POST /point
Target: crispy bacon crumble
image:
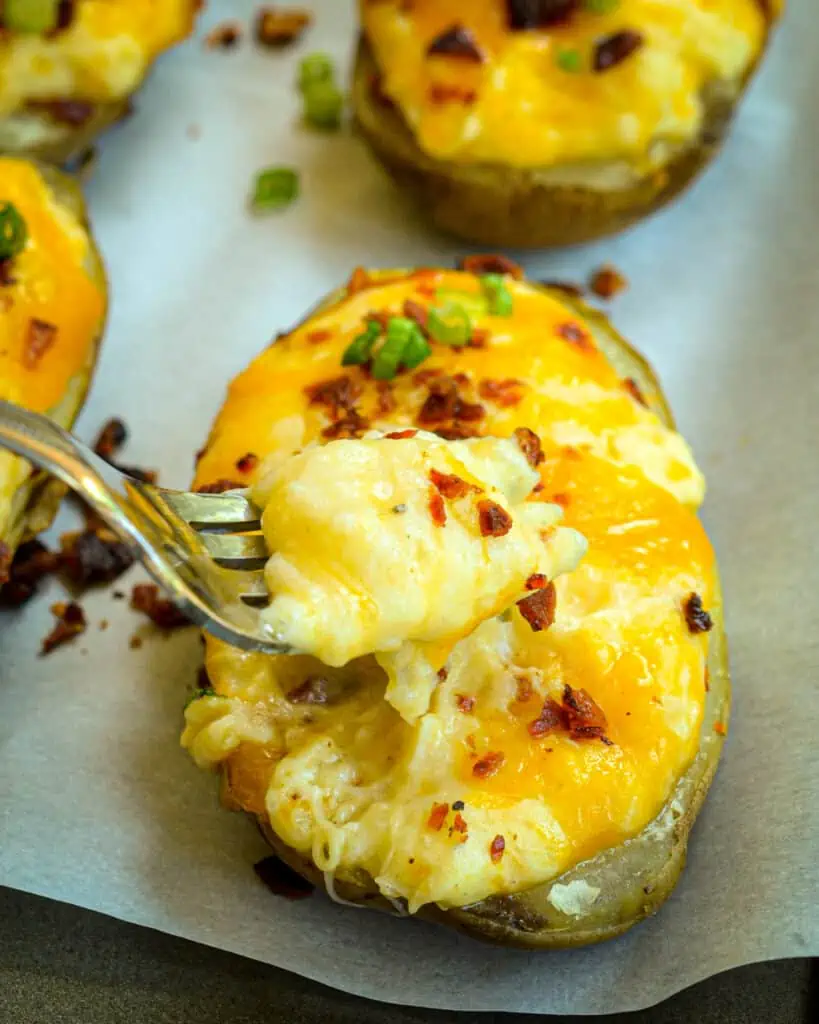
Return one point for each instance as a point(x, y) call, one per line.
point(633, 388)
point(496, 848)
point(697, 618)
point(575, 335)
point(451, 486)
point(616, 48)
point(506, 392)
point(537, 581)
point(457, 41)
point(607, 281)
point(493, 520)
point(281, 26)
point(220, 486)
point(491, 263)
point(437, 817)
point(437, 508)
point(465, 704)
point(529, 444)
point(577, 714)
point(162, 612)
point(489, 764)
point(539, 608)
point(224, 36)
point(70, 623)
point(40, 336)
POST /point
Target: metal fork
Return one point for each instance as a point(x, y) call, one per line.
point(206, 550)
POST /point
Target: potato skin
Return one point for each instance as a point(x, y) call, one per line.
point(509, 207)
point(58, 142)
point(37, 501)
point(634, 878)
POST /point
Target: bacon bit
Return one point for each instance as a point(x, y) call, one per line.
point(224, 36)
point(220, 486)
point(529, 444)
point(135, 642)
point(400, 435)
point(386, 399)
point(575, 334)
point(442, 674)
point(465, 704)
point(110, 439)
point(614, 49)
point(506, 392)
point(494, 521)
point(426, 375)
point(707, 680)
point(525, 690)
point(40, 336)
point(440, 92)
point(318, 336)
point(633, 388)
point(567, 287)
point(550, 719)
point(607, 281)
point(459, 824)
point(696, 617)
point(720, 728)
point(538, 487)
point(438, 816)
point(416, 312)
point(491, 263)
point(525, 14)
point(75, 113)
point(457, 41)
point(496, 848)
point(359, 280)
point(470, 742)
point(488, 765)
point(247, 463)
point(162, 612)
point(70, 623)
point(65, 15)
point(314, 690)
point(539, 608)
point(282, 880)
point(352, 424)
point(7, 278)
point(437, 508)
point(537, 581)
point(337, 394)
point(584, 718)
point(279, 27)
point(380, 316)
point(94, 555)
point(457, 432)
point(479, 338)
point(441, 403)
point(451, 486)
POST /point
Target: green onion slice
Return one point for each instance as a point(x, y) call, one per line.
point(323, 105)
point(13, 231)
point(498, 296)
point(314, 68)
point(358, 351)
point(275, 188)
point(416, 351)
point(449, 324)
point(474, 305)
point(32, 16)
point(569, 60)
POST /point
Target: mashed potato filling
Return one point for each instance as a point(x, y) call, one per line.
point(402, 545)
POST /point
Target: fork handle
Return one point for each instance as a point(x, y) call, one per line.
point(48, 446)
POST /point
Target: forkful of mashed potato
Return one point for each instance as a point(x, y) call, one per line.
point(401, 544)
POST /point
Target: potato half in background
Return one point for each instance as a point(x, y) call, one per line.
point(551, 122)
point(52, 313)
point(69, 69)
point(504, 810)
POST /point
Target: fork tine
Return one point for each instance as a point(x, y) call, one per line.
point(235, 547)
point(229, 509)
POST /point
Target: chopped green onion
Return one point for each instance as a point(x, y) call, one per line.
point(323, 105)
point(497, 294)
point(388, 358)
point(34, 16)
point(601, 6)
point(275, 188)
point(358, 351)
point(315, 67)
point(569, 60)
point(449, 324)
point(207, 692)
point(474, 305)
point(13, 231)
point(416, 351)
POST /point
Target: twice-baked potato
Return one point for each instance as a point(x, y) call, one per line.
point(545, 797)
point(68, 70)
point(53, 303)
point(551, 122)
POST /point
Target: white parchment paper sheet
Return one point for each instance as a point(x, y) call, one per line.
point(98, 805)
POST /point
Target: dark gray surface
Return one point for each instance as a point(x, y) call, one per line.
point(61, 965)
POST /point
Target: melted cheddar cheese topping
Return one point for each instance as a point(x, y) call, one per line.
point(532, 98)
point(101, 56)
point(51, 282)
point(330, 765)
point(379, 547)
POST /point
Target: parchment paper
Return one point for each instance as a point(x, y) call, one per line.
point(98, 805)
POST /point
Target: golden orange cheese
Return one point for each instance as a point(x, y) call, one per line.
point(51, 281)
point(534, 97)
point(352, 784)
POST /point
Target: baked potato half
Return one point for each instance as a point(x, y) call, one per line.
point(69, 70)
point(551, 122)
point(53, 301)
point(494, 813)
